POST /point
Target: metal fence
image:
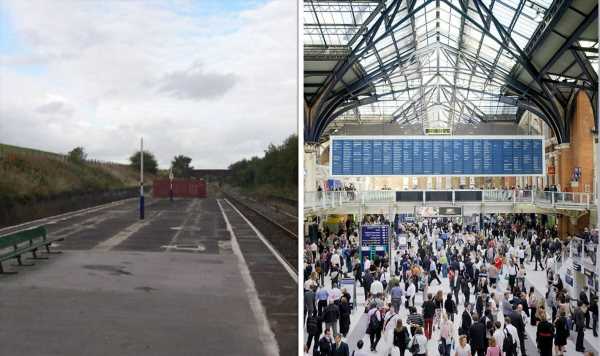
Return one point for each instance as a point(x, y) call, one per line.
point(331, 199)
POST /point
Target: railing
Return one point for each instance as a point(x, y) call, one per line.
point(333, 199)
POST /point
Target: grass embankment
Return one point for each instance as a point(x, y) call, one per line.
point(268, 191)
point(25, 176)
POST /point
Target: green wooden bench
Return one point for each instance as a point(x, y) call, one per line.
point(14, 245)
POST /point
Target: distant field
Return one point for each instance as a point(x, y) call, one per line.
point(27, 173)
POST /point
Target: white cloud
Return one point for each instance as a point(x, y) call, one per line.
point(216, 88)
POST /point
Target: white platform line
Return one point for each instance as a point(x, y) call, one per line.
point(285, 265)
point(265, 334)
point(124, 234)
point(188, 214)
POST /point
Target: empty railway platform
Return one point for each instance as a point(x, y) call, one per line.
point(194, 277)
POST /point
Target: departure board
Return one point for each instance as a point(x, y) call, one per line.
point(446, 156)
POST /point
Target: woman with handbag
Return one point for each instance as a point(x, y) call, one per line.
point(446, 335)
point(418, 345)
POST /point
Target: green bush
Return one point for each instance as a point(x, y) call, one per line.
point(276, 172)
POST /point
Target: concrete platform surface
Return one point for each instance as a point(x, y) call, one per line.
point(168, 285)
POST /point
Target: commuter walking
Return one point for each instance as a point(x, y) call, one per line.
point(544, 336)
point(418, 345)
point(428, 314)
point(477, 336)
point(579, 317)
point(340, 348)
point(562, 333)
point(331, 315)
point(345, 311)
point(401, 337)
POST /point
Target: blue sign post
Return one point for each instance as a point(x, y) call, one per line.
point(374, 240)
point(142, 178)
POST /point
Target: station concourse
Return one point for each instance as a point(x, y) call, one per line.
point(451, 146)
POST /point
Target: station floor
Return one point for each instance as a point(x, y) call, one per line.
point(177, 282)
point(359, 320)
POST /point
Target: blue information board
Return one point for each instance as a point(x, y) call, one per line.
point(374, 239)
point(374, 235)
point(426, 155)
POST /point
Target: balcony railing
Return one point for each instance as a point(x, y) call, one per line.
point(332, 199)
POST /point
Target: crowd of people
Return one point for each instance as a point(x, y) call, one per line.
point(483, 309)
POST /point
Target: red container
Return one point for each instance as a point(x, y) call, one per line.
point(182, 188)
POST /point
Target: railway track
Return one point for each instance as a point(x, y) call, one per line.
point(281, 237)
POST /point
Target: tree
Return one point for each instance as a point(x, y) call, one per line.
point(278, 168)
point(181, 166)
point(150, 164)
point(77, 155)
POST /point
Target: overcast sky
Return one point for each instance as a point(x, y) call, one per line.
point(214, 80)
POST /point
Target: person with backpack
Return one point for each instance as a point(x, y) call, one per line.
point(313, 329)
point(511, 338)
point(418, 344)
point(544, 336)
point(375, 327)
point(331, 315)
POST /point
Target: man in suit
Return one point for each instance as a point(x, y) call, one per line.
point(340, 348)
point(309, 301)
point(579, 316)
point(325, 344)
point(516, 319)
point(477, 337)
point(583, 298)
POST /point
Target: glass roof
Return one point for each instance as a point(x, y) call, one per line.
point(450, 69)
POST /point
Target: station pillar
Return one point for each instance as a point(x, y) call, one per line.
point(310, 168)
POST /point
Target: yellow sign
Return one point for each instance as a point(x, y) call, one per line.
point(438, 131)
